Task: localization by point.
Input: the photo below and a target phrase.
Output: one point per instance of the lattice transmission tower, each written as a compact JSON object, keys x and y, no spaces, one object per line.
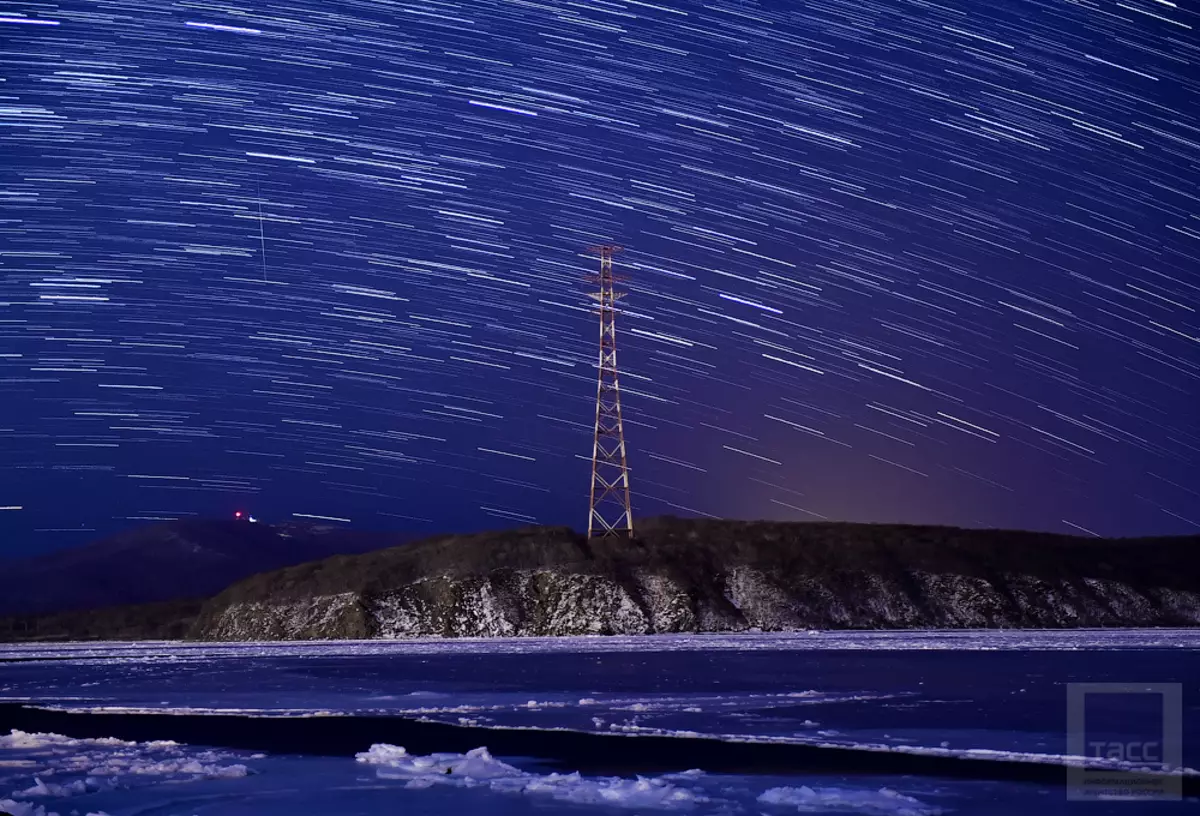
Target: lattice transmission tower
{"x":609,"y":513}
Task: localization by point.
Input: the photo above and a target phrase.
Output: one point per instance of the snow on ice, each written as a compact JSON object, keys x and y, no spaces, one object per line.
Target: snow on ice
{"x":671,"y":792}
{"x":38,"y":768}
{"x":884,"y":802}
{"x":479,"y":768}
{"x":44,"y":774}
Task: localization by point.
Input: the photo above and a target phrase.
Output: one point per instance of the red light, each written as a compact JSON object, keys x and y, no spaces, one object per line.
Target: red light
{"x":238,"y":514}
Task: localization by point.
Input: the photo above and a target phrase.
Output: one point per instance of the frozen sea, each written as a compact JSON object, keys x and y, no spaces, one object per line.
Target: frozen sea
{"x":873,"y":723}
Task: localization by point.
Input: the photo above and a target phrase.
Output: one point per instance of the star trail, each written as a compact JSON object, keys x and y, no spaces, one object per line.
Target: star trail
{"x":888,"y":260}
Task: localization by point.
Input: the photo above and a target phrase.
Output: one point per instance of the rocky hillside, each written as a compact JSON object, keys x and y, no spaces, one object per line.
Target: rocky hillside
{"x":689,"y":575}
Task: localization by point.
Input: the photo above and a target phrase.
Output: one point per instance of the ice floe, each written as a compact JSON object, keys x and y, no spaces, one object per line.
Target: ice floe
{"x":478,"y":768}
{"x":671,"y":792}
{"x":37,"y":769}
{"x":883,"y":802}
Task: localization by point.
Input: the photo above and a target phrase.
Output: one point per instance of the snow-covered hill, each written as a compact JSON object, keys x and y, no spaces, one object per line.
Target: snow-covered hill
{"x":686,"y":576}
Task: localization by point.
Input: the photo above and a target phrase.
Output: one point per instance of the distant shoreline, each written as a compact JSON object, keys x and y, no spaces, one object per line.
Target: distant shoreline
{"x":676,"y":576}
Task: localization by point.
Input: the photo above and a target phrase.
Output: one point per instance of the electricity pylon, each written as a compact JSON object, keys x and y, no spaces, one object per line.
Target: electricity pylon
{"x":609,"y":513}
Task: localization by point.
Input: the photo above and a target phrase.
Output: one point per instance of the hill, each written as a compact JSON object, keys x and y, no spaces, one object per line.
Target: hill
{"x":694,"y":575}
{"x":190,"y":558}
{"x":164,"y":620}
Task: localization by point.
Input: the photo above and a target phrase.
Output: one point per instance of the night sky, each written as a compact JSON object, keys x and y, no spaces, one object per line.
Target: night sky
{"x":889,"y":261}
